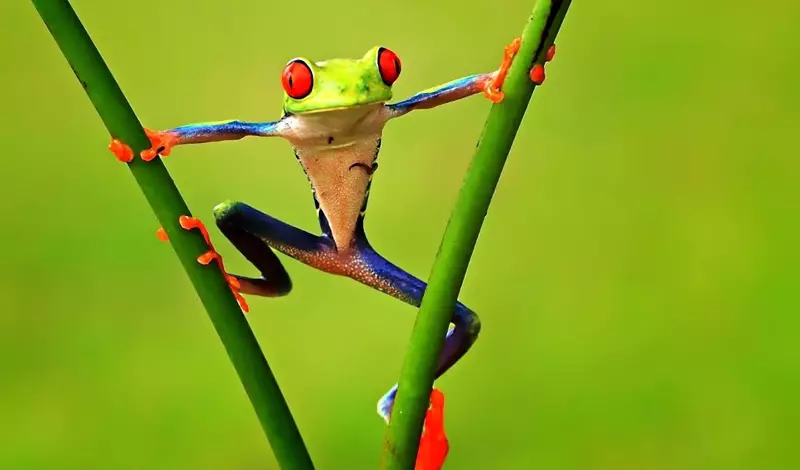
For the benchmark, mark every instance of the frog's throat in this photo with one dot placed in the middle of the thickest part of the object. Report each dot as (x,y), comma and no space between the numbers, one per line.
(340,180)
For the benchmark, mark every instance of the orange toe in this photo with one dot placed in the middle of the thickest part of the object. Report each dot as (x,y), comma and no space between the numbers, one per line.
(207,257)
(189,223)
(537,71)
(551,53)
(537,74)
(121,150)
(433,445)
(492,90)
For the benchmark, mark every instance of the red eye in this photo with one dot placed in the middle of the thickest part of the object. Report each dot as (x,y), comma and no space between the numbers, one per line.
(297,79)
(388,65)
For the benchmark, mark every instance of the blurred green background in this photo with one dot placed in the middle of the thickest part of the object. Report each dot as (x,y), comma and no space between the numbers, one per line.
(637,275)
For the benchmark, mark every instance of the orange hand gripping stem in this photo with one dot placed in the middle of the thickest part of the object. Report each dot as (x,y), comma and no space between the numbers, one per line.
(492,90)
(161,143)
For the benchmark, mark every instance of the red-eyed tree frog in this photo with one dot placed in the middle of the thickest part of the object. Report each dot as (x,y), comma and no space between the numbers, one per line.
(334,113)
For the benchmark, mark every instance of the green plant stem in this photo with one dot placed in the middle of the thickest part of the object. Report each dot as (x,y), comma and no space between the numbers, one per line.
(461,234)
(168,205)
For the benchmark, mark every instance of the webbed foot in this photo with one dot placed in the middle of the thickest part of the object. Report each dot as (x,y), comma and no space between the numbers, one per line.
(433,445)
(189,223)
(492,90)
(161,144)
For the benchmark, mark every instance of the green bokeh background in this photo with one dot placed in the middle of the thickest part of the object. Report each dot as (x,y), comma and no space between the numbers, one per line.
(637,275)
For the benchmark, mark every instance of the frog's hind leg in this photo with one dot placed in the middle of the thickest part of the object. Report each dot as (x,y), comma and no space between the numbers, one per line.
(465,325)
(253,233)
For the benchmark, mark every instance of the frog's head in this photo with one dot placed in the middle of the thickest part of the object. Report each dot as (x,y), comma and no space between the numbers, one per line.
(339,83)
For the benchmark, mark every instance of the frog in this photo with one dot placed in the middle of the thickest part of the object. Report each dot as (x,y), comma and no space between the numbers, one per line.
(333,116)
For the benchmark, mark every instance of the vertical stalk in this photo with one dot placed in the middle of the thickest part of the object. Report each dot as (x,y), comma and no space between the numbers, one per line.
(461,234)
(168,205)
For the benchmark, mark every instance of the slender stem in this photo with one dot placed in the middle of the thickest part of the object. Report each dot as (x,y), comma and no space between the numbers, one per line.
(461,234)
(168,205)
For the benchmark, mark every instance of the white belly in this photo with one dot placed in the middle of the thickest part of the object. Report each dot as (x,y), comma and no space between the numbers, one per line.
(337,150)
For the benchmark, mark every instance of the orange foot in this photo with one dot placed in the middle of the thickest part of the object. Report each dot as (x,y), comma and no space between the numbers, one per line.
(537,72)
(160,143)
(190,223)
(492,90)
(433,445)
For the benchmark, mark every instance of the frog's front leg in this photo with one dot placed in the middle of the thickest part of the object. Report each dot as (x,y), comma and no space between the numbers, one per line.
(488,83)
(162,142)
(443,94)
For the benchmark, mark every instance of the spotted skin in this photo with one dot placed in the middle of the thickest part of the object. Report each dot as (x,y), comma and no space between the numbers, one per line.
(336,142)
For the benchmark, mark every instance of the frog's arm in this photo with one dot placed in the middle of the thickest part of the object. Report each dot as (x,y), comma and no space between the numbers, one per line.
(488,83)
(222,130)
(214,132)
(163,141)
(443,94)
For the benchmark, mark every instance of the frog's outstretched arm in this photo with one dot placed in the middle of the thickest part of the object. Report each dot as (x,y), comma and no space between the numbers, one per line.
(222,130)
(442,94)
(163,141)
(488,83)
